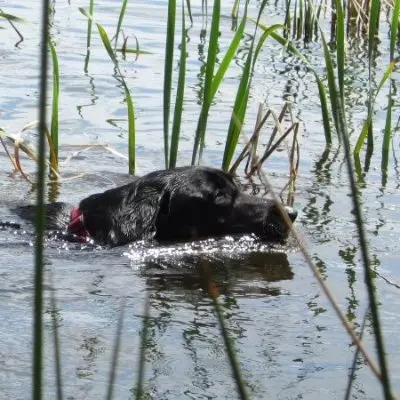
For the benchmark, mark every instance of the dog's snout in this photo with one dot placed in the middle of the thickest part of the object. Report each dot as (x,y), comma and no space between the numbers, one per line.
(292,213)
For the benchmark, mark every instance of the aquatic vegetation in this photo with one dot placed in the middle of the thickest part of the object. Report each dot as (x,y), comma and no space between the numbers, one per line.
(305,24)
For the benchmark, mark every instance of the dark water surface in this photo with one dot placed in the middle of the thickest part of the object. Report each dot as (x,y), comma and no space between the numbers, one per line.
(289,342)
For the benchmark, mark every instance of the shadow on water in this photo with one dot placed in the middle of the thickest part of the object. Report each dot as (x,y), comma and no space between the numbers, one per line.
(232,276)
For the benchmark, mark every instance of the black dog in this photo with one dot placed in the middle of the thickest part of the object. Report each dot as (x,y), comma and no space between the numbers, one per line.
(176,204)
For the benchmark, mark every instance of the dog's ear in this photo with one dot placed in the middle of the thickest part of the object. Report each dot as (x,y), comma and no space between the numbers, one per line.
(141,219)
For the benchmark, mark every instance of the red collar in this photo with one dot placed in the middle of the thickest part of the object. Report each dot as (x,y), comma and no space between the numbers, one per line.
(77,226)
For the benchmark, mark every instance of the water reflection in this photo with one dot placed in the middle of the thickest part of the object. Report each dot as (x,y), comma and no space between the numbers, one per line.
(247,275)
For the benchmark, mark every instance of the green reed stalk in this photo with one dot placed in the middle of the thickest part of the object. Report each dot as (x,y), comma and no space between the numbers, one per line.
(10,17)
(341,126)
(89,35)
(367,123)
(287,22)
(128,97)
(168,68)
(55,107)
(37,363)
(117,345)
(237,375)
(242,95)
(219,75)
(321,87)
(176,125)
(143,342)
(189,11)
(372,36)
(120,19)
(300,21)
(207,92)
(56,340)
(371,290)
(333,94)
(235,9)
(129,102)
(340,48)
(388,125)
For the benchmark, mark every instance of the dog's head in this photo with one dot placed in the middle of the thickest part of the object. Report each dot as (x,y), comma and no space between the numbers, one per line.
(201,202)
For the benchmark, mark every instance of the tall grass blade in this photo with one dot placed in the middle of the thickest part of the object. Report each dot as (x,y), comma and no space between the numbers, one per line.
(143,342)
(235,9)
(88,34)
(37,364)
(230,53)
(11,18)
(168,68)
(199,140)
(56,340)
(355,359)
(372,36)
(300,21)
(213,293)
(340,47)
(371,290)
(367,123)
(176,125)
(120,19)
(129,102)
(321,87)
(219,75)
(131,133)
(388,125)
(189,10)
(107,44)
(55,107)
(117,345)
(333,95)
(242,95)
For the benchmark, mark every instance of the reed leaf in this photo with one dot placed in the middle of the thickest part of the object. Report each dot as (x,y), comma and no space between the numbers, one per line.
(368,275)
(333,95)
(107,44)
(207,92)
(230,350)
(115,355)
(56,340)
(226,61)
(367,123)
(189,11)
(388,124)
(242,95)
(176,125)
(340,47)
(55,107)
(37,363)
(235,9)
(128,97)
(120,19)
(168,68)
(321,87)
(143,341)
(230,53)
(372,36)
(89,33)
(12,18)
(131,132)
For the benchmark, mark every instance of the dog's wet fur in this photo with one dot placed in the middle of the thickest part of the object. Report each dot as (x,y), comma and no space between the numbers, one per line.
(168,205)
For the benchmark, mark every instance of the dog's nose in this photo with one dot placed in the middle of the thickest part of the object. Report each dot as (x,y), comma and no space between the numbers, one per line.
(291,212)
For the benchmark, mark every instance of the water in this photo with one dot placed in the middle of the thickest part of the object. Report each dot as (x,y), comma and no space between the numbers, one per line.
(289,342)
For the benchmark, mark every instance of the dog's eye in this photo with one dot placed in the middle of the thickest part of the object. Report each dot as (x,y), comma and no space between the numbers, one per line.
(218,194)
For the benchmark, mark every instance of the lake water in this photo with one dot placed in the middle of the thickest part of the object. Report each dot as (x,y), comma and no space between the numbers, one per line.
(289,342)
